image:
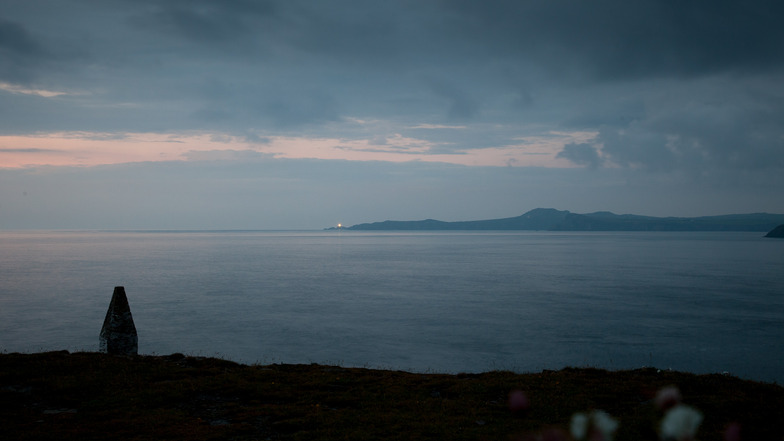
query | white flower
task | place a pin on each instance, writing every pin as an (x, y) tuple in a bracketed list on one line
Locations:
[(598, 422), (605, 424), (579, 425), (680, 423)]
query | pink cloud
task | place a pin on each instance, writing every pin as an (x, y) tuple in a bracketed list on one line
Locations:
[(91, 148)]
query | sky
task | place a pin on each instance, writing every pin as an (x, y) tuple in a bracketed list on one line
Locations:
[(301, 114)]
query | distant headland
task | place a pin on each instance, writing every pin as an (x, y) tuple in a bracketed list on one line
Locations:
[(776, 232), (550, 219)]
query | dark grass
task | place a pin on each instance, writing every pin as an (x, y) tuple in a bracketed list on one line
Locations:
[(87, 396)]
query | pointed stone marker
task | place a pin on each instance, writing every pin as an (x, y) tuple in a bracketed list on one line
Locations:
[(118, 334)]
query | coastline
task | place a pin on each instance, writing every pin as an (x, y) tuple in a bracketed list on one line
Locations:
[(88, 395)]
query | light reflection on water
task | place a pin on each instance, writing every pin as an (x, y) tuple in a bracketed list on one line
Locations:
[(444, 302)]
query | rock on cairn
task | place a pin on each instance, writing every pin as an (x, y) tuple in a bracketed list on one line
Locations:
[(118, 334)]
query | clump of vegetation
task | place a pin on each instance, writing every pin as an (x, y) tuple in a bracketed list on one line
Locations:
[(84, 396)]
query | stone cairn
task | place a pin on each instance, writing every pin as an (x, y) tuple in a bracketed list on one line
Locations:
[(118, 334)]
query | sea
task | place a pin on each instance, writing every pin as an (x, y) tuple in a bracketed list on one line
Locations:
[(440, 302)]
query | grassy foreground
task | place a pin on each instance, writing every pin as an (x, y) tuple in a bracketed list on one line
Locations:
[(83, 396)]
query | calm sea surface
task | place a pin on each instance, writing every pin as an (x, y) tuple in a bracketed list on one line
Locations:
[(423, 301)]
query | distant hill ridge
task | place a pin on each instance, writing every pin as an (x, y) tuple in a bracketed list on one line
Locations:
[(777, 232), (550, 219)]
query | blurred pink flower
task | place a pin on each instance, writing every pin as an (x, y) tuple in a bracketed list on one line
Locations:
[(668, 397), (732, 433), (518, 401)]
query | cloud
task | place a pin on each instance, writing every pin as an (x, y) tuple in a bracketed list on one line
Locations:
[(636, 147), (16, 41), (609, 39), (724, 123), (302, 108), (19, 51), (13, 88), (207, 21), (460, 103), (437, 126), (100, 148), (581, 154), (27, 150), (223, 29), (605, 39)]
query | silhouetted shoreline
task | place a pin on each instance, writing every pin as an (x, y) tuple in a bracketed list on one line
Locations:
[(549, 219)]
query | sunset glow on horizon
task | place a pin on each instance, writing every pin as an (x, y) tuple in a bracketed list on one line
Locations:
[(92, 149)]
